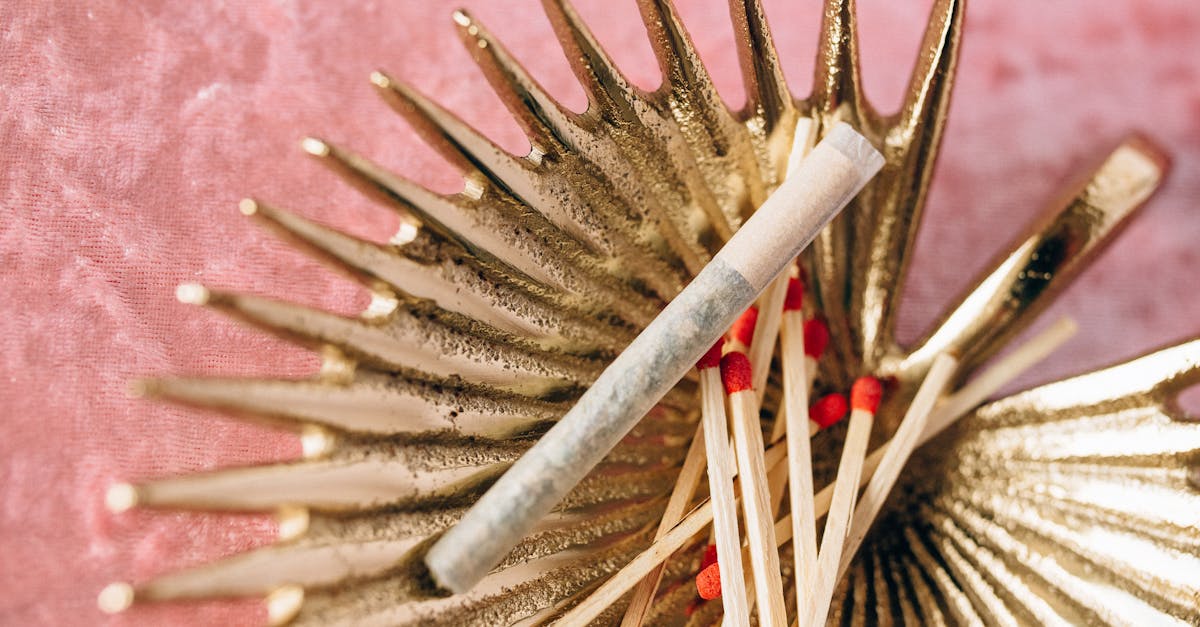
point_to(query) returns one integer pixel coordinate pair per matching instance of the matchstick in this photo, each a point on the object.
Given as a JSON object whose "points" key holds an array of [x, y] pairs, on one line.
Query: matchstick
{"points": [[752, 477], [767, 330], [795, 408], [815, 336], [899, 449], [714, 435], [658, 357], [945, 414], [741, 333], [864, 399]]}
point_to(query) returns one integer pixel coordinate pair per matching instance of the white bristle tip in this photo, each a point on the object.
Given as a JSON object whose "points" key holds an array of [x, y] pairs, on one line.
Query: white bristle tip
{"points": [[115, 598], [120, 497], [191, 293], [314, 146]]}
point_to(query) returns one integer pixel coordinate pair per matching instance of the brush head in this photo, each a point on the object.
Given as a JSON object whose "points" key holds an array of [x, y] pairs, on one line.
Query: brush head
{"points": [[827, 411], [743, 328], [708, 582], [816, 338], [710, 556], [794, 301], [712, 358], [865, 394], [735, 372]]}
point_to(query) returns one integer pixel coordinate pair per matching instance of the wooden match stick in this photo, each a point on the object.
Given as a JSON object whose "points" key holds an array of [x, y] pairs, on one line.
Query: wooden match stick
{"points": [[899, 449], [714, 436], [864, 399], [795, 408], [945, 414], [772, 301], [741, 333], [752, 477], [658, 357]]}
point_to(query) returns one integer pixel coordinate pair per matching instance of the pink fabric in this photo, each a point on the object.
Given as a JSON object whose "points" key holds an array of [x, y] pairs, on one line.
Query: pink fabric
{"points": [[129, 131]]}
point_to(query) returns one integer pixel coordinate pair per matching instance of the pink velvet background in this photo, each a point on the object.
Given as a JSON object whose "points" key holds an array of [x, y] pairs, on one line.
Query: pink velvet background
{"points": [[128, 131]]}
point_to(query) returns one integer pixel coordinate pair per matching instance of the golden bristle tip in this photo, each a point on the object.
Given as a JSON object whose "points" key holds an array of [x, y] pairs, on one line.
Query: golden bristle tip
{"points": [[284, 604], [192, 294], [291, 522], [316, 442], [248, 206], [315, 147], [121, 497], [115, 598]]}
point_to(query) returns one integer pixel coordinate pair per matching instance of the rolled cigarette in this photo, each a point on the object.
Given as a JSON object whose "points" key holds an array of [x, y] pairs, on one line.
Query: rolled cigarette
{"points": [[828, 178]]}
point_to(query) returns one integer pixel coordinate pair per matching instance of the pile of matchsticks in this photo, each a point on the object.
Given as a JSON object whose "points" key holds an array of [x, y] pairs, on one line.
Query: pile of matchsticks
{"points": [[755, 472]]}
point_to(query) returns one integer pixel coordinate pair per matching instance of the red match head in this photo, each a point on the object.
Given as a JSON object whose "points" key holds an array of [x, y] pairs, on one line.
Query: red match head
{"points": [[794, 301], [827, 411], [710, 556], [712, 358], [735, 372], [865, 394], [743, 328], [708, 582], [816, 338]]}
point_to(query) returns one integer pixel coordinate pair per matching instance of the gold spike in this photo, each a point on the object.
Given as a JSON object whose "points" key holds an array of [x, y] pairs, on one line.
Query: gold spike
{"points": [[450, 217], [619, 106], [500, 237], [327, 485], [928, 96], [725, 155], [767, 94], [373, 403], [1044, 261], [560, 201], [472, 152], [609, 92], [494, 302], [258, 572], [579, 151], [545, 121], [406, 342], [886, 226], [771, 111], [837, 86], [448, 135]]}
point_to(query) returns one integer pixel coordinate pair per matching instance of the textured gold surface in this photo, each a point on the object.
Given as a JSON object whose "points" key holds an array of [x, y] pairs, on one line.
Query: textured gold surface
{"points": [[496, 306]]}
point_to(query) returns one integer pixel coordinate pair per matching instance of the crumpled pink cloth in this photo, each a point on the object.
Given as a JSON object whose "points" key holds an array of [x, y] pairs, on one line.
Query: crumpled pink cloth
{"points": [[128, 131]]}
